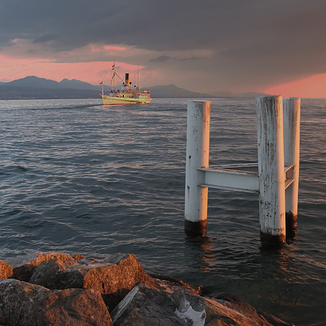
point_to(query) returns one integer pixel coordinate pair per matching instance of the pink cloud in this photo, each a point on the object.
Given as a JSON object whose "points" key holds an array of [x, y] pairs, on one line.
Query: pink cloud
{"points": [[115, 48]]}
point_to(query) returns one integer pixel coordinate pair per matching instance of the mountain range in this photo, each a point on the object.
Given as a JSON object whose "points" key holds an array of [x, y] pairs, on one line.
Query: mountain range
{"points": [[32, 87], [36, 82]]}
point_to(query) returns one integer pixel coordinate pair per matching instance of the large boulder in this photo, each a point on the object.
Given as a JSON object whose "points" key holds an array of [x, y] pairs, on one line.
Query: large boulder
{"points": [[76, 307], [33, 305], [23, 267], [105, 276], [6, 270], [145, 306], [231, 301], [174, 304]]}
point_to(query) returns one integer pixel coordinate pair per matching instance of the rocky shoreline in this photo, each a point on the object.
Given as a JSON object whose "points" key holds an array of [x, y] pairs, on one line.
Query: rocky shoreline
{"points": [[58, 289]]}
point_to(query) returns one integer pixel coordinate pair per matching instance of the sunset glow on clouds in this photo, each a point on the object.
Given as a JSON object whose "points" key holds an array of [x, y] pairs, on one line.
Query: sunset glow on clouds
{"points": [[314, 86], [239, 46], [75, 64], [91, 72], [13, 68], [16, 63]]}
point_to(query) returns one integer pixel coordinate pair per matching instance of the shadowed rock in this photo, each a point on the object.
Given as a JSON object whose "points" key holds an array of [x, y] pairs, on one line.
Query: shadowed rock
{"points": [[231, 301], [174, 304], [25, 266], [113, 299], [145, 306]]}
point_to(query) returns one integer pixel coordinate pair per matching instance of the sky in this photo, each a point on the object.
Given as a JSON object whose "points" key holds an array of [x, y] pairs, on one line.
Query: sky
{"points": [[209, 46]]}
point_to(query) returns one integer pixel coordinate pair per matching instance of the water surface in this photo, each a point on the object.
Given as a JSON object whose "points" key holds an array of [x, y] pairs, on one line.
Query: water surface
{"points": [[79, 177]]}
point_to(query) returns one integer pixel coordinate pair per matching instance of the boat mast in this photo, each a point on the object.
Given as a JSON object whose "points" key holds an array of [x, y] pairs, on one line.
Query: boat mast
{"points": [[101, 83], [138, 79], [113, 77]]}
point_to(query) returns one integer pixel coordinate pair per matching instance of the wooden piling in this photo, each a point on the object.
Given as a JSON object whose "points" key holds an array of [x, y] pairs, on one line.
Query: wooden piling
{"points": [[291, 123], [271, 171], [197, 156]]}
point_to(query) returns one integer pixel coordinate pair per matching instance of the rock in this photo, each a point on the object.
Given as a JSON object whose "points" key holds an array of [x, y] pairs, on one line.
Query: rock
{"points": [[21, 302], [79, 257], [76, 307], [174, 304], [112, 300], [141, 307], [79, 291], [233, 302], [171, 284], [33, 305], [2, 318], [6, 270], [211, 311], [25, 266], [48, 274], [105, 276]]}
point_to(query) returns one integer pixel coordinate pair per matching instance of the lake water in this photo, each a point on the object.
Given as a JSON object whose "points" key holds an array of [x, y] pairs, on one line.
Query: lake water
{"points": [[79, 177]]}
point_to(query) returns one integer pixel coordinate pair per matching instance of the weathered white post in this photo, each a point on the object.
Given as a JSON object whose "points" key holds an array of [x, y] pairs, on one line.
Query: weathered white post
{"points": [[271, 171], [291, 122], [197, 156]]}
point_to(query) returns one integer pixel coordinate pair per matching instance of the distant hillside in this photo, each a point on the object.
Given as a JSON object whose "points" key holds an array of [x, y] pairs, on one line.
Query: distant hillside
{"points": [[173, 91], [41, 88], [32, 87], [77, 84], [34, 82]]}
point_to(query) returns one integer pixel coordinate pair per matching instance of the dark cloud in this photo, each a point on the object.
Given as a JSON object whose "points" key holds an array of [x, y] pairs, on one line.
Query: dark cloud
{"points": [[46, 38], [190, 59], [161, 58], [253, 41]]}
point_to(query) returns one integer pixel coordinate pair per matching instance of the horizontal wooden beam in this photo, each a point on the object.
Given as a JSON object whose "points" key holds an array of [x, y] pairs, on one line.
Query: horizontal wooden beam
{"points": [[238, 177], [231, 177]]}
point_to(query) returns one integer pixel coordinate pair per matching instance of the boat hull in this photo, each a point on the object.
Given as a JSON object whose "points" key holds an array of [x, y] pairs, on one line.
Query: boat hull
{"points": [[115, 100]]}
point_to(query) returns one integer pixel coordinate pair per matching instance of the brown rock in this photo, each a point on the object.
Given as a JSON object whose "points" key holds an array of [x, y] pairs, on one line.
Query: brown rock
{"points": [[6, 270], [124, 272], [33, 305], [76, 307], [25, 266], [79, 257], [105, 276]]}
